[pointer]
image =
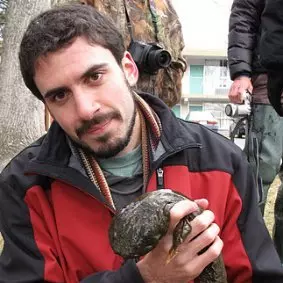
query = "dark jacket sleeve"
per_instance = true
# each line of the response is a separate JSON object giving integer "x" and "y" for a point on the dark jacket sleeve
{"x": 271, "y": 51}
{"x": 22, "y": 261}
{"x": 244, "y": 25}
{"x": 271, "y": 44}
{"x": 265, "y": 263}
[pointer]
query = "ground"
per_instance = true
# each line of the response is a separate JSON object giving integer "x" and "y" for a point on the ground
{"x": 268, "y": 209}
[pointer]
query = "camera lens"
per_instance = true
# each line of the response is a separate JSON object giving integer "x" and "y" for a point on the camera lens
{"x": 229, "y": 110}
{"x": 163, "y": 58}
{"x": 158, "y": 59}
{"x": 149, "y": 58}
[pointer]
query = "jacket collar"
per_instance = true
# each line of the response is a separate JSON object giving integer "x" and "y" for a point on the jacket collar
{"x": 55, "y": 149}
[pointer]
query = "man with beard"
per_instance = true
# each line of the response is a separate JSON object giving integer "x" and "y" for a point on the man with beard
{"x": 105, "y": 147}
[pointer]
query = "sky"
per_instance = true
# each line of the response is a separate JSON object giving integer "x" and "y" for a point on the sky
{"x": 204, "y": 23}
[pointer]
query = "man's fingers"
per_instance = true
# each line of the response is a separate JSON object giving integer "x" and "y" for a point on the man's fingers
{"x": 250, "y": 88}
{"x": 205, "y": 239}
{"x": 180, "y": 210}
{"x": 177, "y": 212}
{"x": 203, "y": 203}
{"x": 200, "y": 224}
{"x": 201, "y": 243}
{"x": 197, "y": 262}
{"x": 238, "y": 87}
{"x": 235, "y": 94}
{"x": 211, "y": 254}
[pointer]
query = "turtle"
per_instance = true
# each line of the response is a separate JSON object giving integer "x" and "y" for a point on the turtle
{"x": 137, "y": 228}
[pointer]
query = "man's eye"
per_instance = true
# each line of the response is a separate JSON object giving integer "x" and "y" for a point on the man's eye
{"x": 94, "y": 77}
{"x": 59, "y": 96}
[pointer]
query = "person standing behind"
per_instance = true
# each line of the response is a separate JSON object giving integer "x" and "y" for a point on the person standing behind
{"x": 154, "y": 21}
{"x": 248, "y": 74}
{"x": 271, "y": 56}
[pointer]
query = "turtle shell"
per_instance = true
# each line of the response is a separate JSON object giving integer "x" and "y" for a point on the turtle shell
{"x": 138, "y": 227}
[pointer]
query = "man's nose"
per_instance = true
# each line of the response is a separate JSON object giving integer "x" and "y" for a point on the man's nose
{"x": 86, "y": 105}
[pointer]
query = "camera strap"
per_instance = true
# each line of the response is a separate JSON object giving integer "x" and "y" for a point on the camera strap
{"x": 152, "y": 8}
{"x": 237, "y": 126}
{"x": 129, "y": 24}
{"x": 252, "y": 150}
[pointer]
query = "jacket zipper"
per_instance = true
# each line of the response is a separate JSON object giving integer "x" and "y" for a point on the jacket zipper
{"x": 160, "y": 171}
{"x": 157, "y": 168}
{"x": 160, "y": 178}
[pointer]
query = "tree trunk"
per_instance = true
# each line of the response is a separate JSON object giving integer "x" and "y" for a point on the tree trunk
{"x": 21, "y": 114}
{"x": 62, "y": 2}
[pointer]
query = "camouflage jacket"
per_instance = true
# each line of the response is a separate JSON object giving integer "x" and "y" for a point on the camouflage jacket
{"x": 167, "y": 83}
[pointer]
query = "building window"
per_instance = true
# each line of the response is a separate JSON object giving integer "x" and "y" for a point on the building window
{"x": 195, "y": 108}
{"x": 224, "y": 75}
{"x": 192, "y": 108}
{"x": 196, "y": 79}
{"x": 217, "y": 77}
{"x": 177, "y": 110}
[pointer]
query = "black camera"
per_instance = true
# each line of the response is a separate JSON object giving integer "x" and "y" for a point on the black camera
{"x": 149, "y": 57}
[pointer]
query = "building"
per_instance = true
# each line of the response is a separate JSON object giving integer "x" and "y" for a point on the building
{"x": 207, "y": 80}
{"x": 205, "y": 85}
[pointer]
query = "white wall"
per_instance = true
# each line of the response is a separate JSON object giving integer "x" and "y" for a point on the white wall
{"x": 204, "y": 22}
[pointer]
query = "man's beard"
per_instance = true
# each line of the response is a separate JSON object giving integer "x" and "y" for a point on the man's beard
{"x": 107, "y": 148}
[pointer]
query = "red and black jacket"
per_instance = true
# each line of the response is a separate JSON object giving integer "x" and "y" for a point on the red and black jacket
{"x": 55, "y": 222}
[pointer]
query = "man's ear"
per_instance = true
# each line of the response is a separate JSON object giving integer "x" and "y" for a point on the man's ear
{"x": 130, "y": 69}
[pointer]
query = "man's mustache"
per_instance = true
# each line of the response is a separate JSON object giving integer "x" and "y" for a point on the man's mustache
{"x": 98, "y": 119}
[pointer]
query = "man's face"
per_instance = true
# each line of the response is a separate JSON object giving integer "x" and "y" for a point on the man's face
{"x": 89, "y": 95}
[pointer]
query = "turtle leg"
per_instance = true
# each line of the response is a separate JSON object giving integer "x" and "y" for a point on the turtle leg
{"x": 180, "y": 233}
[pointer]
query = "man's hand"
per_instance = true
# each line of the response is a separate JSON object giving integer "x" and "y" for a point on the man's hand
{"x": 238, "y": 87}
{"x": 187, "y": 264}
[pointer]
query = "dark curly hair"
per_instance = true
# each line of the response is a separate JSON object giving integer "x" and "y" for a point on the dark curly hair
{"x": 57, "y": 28}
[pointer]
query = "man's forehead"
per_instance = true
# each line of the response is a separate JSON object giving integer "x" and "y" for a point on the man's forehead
{"x": 79, "y": 52}
{"x": 70, "y": 64}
